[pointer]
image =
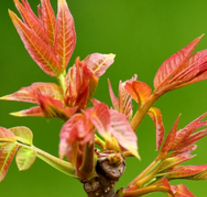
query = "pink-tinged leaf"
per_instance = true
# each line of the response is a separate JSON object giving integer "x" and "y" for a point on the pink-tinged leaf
{"x": 195, "y": 66}
{"x": 184, "y": 133}
{"x": 25, "y": 158}
{"x": 7, "y": 152}
{"x": 78, "y": 130}
{"x": 123, "y": 103}
{"x": 170, "y": 138}
{"x": 30, "y": 19}
{"x": 48, "y": 19}
{"x": 65, "y": 37}
{"x": 176, "y": 190}
{"x": 98, "y": 63}
{"x": 34, "y": 111}
{"x": 81, "y": 84}
{"x": 114, "y": 99}
{"x": 187, "y": 172}
{"x": 30, "y": 94}
{"x": 156, "y": 116}
{"x": 121, "y": 130}
{"x": 23, "y": 134}
{"x": 40, "y": 14}
{"x": 185, "y": 151}
{"x": 166, "y": 183}
{"x": 139, "y": 91}
{"x": 174, "y": 161}
{"x": 100, "y": 117}
{"x": 55, "y": 108}
{"x": 172, "y": 64}
{"x": 6, "y": 134}
{"x": 181, "y": 191}
{"x": 41, "y": 53}
{"x": 192, "y": 139}
{"x": 67, "y": 137}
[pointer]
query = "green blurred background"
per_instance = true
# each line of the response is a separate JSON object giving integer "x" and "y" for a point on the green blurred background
{"x": 142, "y": 33}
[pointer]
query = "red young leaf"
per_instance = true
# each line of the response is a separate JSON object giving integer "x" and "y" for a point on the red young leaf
{"x": 139, "y": 91}
{"x": 174, "y": 161}
{"x": 192, "y": 71}
{"x": 156, "y": 116}
{"x": 192, "y": 139}
{"x": 30, "y": 19}
{"x": 122, "y": 131}
{"x": 170, "y": 138}
{"x": 55, "y": 108}
{"x": 77, "y": 130}
{"x": 81, "y": 84}
{"x": 40, "y": 13}
{"x": 184, "y": 133}
{"x": 37, "y": 48}
{"x": 98, "y": 63}
{"x": 48, "y": 20}
{"x": 123, "y": 104}
{"x": 6, "y": 134}
{"x": 100, "y": 117}
{"x": 65, "y": 37}
{"x": 7, "y": 152}
{"x": 188, "y": 172}
{"x": 181, "y": 191}
{"x": 175, "y": 62}
{"x": 176, "y": 190}
{"x": 30, "y": 94}
{"x": 34, "y": 111}
{"x": 114, "y": 99}
{"x": 112, "y": 123}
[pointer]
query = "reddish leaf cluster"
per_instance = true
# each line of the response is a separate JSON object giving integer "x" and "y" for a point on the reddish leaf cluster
{"x": 80, "y": 129}
{"x": 51, "y": 41}
{"x": 181, "y": 69}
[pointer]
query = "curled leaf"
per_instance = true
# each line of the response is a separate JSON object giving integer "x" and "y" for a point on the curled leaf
{"x": 139, "y": 91}
{"x": 98, "y": 63}
{"x": 156, "y": 116}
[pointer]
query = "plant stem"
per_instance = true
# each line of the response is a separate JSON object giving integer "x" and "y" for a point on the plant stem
{"x": 87, "y": 168}
{"x": 152, "y": 166}
{"x": 139, "y": 115}
{"x": 147, "y": 190}
{"x": 55, "y": 162}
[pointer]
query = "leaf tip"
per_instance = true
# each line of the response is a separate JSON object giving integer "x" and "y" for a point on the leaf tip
{"x": 17, "y": 114}
{"x": 4, "y": 98}
{"x": 111, "y": 56}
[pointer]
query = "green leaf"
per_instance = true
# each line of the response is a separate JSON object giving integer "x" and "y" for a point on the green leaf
{"x": 7, "y": 152}
{"x": 25, "y": 158}
{"x": 23, "y": 134}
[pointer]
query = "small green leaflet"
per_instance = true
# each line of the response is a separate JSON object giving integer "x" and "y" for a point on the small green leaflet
{"x": 25, "y": 158}
{"x": 23, "y": 134}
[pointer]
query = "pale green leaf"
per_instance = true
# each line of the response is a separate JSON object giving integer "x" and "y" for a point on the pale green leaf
{"x": 25, "y": 158}
{"x": 23, "y": 134}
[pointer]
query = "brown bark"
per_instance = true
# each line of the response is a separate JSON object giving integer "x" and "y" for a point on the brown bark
{"x": 108, "y": 173}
